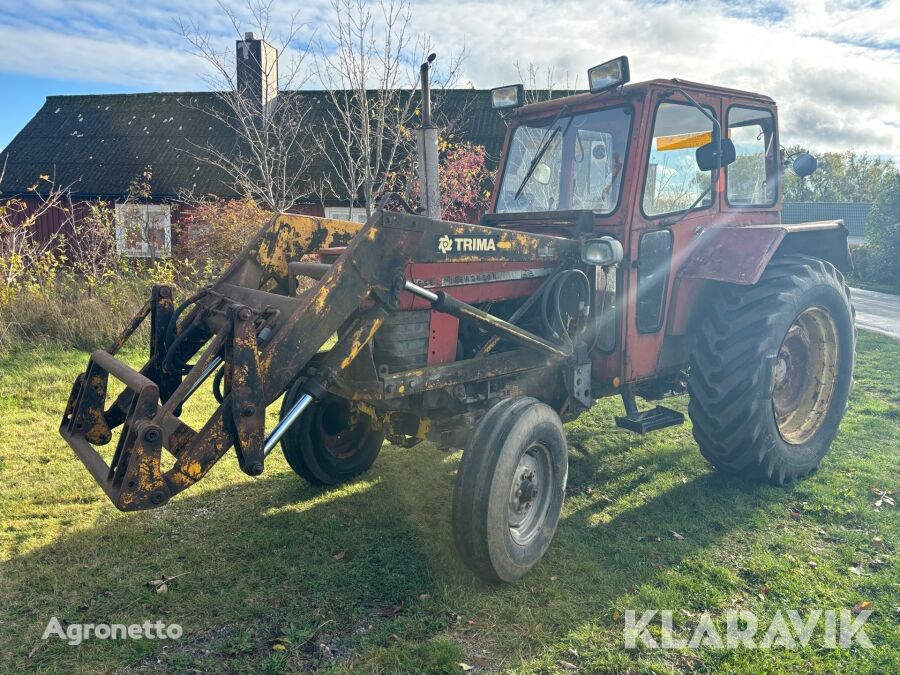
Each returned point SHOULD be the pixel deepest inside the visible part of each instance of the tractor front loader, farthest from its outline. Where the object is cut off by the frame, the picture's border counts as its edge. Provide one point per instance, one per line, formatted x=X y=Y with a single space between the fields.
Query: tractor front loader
x=634 y=248
x=262 y=338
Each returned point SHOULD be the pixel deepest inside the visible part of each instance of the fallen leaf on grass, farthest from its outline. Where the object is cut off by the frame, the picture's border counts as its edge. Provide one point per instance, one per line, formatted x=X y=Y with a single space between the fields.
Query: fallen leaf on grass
x=465 y=667
x=676 y=536
x=878 y=542
x=884 y=497
x=337 y=556
x=861 y=606
x=162 y=584
x=567 y=665
x=34 y=649
x=278 y=647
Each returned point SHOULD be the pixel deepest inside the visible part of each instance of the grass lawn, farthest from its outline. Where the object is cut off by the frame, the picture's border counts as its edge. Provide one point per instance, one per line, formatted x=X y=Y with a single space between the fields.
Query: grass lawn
x=271 y=575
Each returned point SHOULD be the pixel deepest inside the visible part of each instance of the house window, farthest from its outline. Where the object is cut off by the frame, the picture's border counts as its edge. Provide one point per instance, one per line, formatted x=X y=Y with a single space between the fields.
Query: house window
x=144 y=230
x=343 y=213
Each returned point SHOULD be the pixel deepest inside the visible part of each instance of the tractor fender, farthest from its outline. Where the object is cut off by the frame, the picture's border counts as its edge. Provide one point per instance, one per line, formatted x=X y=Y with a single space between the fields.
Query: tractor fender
x=739 y=254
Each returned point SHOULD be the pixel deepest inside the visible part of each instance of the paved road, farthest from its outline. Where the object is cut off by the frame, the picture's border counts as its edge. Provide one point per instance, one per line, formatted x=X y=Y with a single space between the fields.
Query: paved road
x=877 y=312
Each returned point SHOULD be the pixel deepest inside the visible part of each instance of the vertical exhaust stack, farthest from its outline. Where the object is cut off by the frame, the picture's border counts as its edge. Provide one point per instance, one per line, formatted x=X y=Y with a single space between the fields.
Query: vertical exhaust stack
x=427 y=145
x=257 y=72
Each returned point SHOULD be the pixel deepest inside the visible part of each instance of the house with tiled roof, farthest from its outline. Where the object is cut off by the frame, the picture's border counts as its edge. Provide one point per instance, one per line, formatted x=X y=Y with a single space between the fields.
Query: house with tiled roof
x=97 y=144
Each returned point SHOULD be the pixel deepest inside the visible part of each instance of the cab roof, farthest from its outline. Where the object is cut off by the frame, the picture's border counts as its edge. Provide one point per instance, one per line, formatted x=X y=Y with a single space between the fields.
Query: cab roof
x=638 y=88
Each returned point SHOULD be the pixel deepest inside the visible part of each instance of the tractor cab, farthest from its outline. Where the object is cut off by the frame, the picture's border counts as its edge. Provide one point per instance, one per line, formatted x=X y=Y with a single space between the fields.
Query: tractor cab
x=669 y=169
x=636 y=155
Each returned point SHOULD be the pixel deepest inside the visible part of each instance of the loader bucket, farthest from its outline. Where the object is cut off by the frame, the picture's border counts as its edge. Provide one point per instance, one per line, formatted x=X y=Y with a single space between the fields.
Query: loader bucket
x=225 y=321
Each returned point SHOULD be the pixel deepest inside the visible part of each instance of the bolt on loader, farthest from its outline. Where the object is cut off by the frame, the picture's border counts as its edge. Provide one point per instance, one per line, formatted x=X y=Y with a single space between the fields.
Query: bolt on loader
x=633 y=248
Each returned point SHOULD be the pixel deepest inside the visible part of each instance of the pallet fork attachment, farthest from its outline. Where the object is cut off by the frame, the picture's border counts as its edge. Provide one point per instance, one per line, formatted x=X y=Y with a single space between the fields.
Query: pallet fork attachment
x=263 y=337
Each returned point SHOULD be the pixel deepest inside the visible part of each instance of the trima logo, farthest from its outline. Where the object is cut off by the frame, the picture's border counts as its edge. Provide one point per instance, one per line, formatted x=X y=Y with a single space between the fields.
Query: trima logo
x=447 y=244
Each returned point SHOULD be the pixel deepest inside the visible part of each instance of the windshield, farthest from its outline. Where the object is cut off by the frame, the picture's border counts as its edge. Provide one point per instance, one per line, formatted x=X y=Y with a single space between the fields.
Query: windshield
x=593 y=144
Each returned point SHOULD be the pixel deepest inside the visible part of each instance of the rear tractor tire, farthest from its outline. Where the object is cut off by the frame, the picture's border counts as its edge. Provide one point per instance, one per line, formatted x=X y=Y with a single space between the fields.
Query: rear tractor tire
x=772 y=369
x=510 y=489
x=331 y=443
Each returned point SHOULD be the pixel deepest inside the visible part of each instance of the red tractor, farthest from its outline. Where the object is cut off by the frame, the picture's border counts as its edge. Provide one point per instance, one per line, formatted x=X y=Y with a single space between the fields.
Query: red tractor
x=634 y=248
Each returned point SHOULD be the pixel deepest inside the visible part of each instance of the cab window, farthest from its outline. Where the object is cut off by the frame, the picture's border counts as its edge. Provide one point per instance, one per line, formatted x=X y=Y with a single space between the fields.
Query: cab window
x=570 y=162
x=750 y=179
x=674 y=183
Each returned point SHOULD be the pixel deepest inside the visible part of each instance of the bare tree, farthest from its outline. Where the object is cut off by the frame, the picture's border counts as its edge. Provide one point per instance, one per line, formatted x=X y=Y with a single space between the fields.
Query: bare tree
x=542 y=84
x=368 y=64
x=271 y=153
x=143 y=228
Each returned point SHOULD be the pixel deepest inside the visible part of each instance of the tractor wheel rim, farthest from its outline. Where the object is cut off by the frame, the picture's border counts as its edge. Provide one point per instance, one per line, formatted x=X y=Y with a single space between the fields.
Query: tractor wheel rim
x=340 y=430
x=805 y=373
x=530 y=493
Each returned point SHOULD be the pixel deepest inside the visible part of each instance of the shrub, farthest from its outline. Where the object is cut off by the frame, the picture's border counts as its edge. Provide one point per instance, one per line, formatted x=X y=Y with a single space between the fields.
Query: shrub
x=25 y=259
x=878 y=261
x=217 y=231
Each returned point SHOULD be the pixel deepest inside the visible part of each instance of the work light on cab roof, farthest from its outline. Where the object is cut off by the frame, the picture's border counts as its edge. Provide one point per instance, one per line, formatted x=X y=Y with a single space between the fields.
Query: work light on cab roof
x=609 y=75
x=601 y=78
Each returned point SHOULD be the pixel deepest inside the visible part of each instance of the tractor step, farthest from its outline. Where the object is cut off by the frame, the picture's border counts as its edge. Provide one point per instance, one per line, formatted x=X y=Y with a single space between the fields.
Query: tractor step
x=644 y=421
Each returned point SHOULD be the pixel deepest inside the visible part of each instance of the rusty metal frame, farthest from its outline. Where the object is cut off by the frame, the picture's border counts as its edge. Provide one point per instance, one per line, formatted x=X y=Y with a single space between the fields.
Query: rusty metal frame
x=251 y=301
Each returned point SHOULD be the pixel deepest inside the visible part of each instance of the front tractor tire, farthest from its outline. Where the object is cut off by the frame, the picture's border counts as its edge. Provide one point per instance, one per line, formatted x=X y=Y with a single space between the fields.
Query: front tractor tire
x=331 y=443
x=772 y=369
x=510 y=488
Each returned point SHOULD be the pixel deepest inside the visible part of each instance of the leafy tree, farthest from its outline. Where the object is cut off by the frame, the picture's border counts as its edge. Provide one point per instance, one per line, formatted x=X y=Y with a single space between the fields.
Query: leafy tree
x=847 y=176
x=465 y=180
x=881 y=259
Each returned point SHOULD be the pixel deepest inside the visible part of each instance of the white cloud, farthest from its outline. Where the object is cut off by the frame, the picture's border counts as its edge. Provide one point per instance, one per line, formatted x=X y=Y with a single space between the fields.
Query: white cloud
x=833 y=67
x=834 y=71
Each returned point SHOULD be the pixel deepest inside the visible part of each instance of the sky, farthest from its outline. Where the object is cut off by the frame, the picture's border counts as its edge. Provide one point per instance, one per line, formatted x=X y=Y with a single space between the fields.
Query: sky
x=832 y=67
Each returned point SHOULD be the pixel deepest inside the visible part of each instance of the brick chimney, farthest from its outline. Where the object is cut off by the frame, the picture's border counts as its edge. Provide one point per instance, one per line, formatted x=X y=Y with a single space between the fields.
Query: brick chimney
x=257 y=71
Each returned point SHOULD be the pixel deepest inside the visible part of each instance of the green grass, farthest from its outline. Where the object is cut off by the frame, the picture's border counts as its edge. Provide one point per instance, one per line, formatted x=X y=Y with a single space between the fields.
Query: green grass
x=275 y=576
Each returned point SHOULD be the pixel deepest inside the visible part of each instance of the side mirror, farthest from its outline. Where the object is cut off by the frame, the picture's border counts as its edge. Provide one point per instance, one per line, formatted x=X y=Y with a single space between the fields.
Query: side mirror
x=708 y=157
x=804 y=164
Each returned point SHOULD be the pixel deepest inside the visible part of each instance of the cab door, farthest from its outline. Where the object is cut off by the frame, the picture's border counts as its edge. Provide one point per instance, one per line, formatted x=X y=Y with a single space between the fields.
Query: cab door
x=674 y=202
